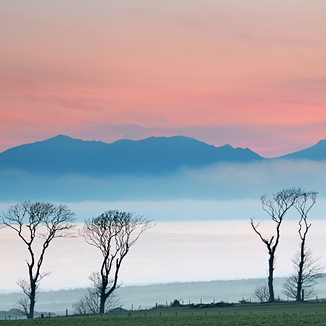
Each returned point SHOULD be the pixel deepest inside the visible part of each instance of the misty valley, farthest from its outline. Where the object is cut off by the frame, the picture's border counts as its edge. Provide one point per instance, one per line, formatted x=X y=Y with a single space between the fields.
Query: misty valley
x=207 y=214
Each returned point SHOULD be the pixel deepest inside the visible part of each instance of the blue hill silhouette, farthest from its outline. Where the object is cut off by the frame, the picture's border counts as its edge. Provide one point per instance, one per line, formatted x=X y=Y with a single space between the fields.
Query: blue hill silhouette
x=154 y=155
x=156 y=168
x=313 y=153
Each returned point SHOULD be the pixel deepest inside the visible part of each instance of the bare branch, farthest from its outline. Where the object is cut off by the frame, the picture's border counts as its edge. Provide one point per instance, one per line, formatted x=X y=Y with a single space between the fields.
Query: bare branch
x=90 y=303
x=276 y=207
x=23 y=306
x=31 y=220
x=304 y=277
x=300 y=284
x=261 y=293
x=113 y=233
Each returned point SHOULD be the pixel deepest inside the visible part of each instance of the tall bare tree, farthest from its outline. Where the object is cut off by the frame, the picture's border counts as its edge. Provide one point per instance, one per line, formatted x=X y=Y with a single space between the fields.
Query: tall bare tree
x=307 y=270
x=113 y=233
x=37 y=220
x=303 y=205
x=276 y=207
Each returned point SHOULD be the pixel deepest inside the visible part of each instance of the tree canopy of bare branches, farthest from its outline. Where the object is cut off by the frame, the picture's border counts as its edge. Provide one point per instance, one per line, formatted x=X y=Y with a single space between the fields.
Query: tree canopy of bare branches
x=305 y=276
x=276 y=207
x=307 y=271
x=37 y=220
x=113 y=233
x=90 y=303
x=261 y=293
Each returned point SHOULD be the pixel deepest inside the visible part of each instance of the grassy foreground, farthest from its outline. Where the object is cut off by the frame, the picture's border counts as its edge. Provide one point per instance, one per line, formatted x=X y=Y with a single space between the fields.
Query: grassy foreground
x=286 y=314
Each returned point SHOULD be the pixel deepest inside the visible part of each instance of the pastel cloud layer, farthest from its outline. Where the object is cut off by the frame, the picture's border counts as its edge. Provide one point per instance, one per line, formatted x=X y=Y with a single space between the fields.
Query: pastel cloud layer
x=252 y=74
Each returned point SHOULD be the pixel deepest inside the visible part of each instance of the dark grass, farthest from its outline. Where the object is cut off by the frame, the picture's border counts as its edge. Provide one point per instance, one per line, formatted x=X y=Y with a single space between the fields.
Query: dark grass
x=286 y=314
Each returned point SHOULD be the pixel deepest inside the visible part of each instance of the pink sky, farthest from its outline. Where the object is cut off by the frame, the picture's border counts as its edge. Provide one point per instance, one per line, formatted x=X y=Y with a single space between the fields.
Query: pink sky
x=248 y=73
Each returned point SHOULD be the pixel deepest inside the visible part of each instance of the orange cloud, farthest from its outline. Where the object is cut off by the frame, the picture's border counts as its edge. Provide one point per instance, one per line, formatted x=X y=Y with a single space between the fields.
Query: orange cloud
x=162 y=66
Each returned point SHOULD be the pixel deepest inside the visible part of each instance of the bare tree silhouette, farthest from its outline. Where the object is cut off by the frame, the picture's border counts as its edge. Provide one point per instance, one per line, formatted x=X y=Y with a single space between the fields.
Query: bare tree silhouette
x=310 y=272
x=307 y=271
x=276 y=207
x=37 y=220
x=90 y=303
x=261 y=293
x=113 y=233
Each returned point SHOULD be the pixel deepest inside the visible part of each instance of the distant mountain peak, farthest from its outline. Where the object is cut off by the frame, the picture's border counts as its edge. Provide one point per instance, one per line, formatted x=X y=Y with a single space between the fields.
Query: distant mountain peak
x=322 y=142
x=60 y=138
x=314 y=153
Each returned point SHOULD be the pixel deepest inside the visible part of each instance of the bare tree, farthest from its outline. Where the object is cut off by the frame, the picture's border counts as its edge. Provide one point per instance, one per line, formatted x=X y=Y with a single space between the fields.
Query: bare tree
x=37 y=220
x=261 y=293
x=276 y=207
x=300 y=285
x=303 y=205
x=113 y=233
x=23 y=306
x=309 y=272
x=90 y=303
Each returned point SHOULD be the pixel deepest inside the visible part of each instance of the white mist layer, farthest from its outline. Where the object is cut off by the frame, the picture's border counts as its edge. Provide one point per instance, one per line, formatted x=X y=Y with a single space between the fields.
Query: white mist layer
x=170 y=252
x=214 y=183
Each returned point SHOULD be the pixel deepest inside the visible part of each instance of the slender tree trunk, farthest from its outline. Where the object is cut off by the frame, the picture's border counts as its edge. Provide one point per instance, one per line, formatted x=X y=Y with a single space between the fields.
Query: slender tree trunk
x=271 y=276
x=32 y=299
x=300 y=272
x=102 y=303
x=104 y=296
x=103 y=293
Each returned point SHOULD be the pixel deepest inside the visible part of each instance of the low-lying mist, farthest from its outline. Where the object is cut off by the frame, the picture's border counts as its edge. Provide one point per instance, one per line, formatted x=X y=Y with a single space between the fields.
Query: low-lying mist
x=218 y=182
x=202 y=216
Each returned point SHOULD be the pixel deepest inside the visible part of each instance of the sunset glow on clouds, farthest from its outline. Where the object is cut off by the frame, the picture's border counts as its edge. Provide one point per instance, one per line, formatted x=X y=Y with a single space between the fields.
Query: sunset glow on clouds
x=252 y=74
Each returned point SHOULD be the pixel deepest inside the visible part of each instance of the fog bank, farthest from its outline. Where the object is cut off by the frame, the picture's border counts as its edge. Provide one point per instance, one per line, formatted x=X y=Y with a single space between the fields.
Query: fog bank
x=218 y=182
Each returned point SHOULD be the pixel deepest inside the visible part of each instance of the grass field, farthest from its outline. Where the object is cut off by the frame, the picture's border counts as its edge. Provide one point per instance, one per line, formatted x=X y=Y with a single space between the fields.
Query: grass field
x=286 y=314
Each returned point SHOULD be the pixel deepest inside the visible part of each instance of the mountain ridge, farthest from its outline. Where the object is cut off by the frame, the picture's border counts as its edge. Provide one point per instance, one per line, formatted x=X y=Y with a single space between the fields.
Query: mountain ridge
x=153 y=155
x=72 y=170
